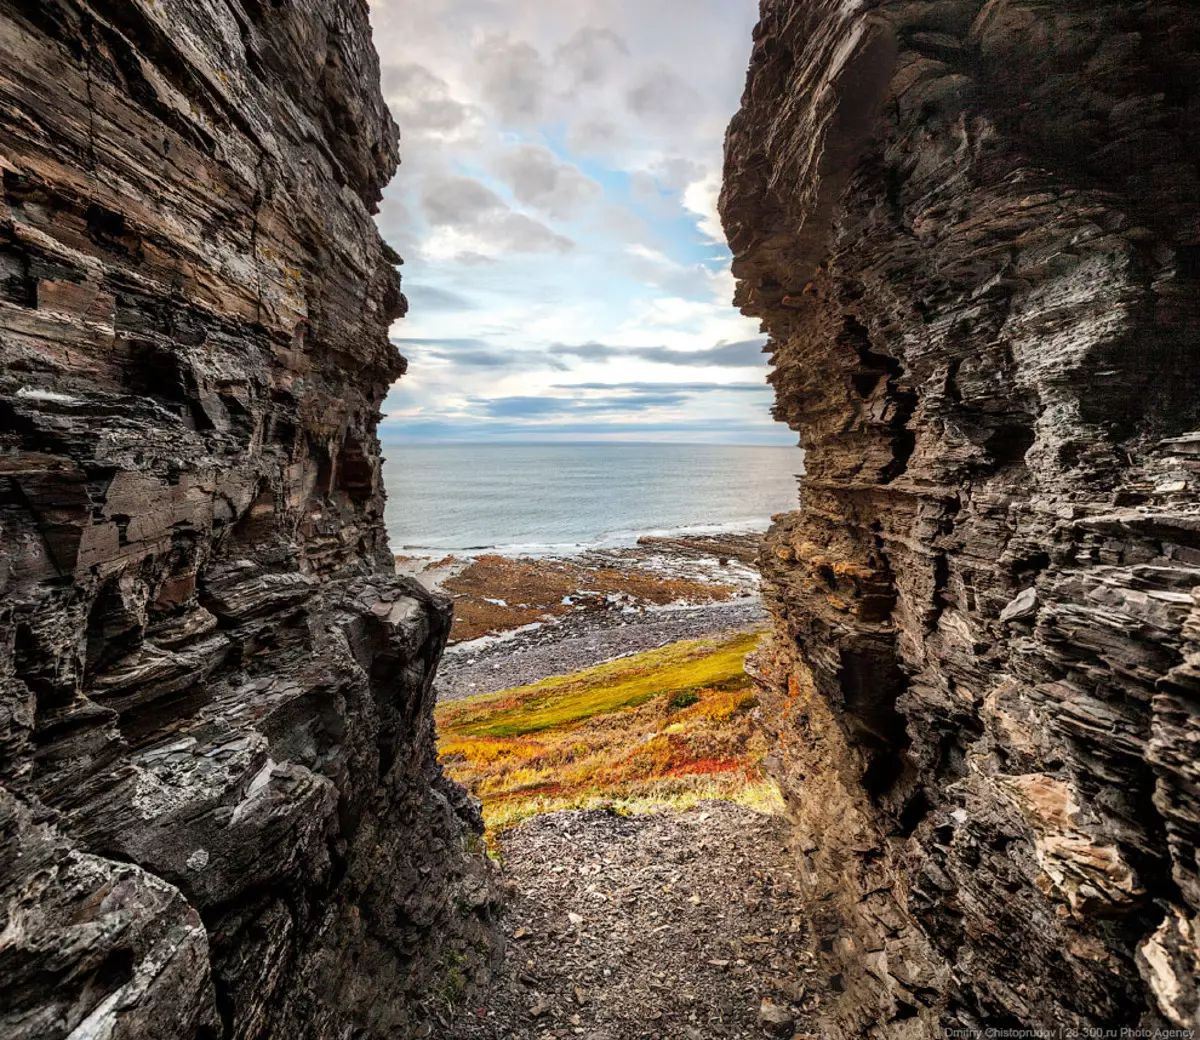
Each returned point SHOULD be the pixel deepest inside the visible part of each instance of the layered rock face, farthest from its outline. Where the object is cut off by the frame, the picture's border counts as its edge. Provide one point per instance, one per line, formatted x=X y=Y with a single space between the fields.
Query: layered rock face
x=972 y=231
x=220 y=812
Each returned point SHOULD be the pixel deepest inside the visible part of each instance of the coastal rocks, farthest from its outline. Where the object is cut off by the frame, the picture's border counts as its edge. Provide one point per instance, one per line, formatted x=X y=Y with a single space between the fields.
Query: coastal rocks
x=220 y=809
x=971 y=230
x=495 y=594
x=551 y=616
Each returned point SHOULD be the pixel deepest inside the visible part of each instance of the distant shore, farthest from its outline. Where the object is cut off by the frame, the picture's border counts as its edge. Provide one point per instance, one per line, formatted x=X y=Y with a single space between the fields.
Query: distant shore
x=522 y=619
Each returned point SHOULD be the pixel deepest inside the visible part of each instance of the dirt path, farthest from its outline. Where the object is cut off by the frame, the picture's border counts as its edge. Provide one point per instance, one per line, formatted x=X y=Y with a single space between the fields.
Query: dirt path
x=672 y=926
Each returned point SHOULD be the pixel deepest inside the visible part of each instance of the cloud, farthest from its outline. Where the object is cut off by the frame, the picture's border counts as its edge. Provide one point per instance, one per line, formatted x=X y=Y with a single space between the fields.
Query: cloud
x=482 y=358
x=522 y=234
x=675 y=172
x=397 y=224
x=683 y=280
x=681 y=388
x=742 y=354
x=513 y=78
x=434 y=341
x=660 y=186
x=538 y=407
x=474 y=353
x=421 y=101
x=539 y=179
x=588 y=56
x=594 y=136
x=436 y=430
x=431 y=298
x=557 y=189
x=701 y=197
x=459 y=201
x=662 y=97
x=478 y=221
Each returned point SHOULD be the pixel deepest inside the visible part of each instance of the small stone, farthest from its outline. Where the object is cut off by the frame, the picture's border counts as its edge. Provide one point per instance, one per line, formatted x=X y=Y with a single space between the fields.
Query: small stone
x=1022 y=607
x=775 y=1018
x=1171 y=487
x=794 y=990
x=198 y=860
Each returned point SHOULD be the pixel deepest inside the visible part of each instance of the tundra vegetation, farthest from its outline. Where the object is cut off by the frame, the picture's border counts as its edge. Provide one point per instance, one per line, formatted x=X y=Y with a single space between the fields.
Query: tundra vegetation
x=668 y=727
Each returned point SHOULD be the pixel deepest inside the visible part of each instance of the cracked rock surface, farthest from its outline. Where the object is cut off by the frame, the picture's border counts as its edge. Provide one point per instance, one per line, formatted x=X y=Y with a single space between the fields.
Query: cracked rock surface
x=220 y=811
x=972 y=232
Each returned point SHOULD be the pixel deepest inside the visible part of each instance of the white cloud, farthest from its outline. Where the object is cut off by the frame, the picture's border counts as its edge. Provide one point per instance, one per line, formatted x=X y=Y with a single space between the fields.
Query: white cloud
x=597 y=136
x=469 y=218
x=422 y=104
x=459 y=202
x=560 y=172
x=540 y=179
x=591 y=55
x=512 y=78
x=700 y=197
x=661 y=96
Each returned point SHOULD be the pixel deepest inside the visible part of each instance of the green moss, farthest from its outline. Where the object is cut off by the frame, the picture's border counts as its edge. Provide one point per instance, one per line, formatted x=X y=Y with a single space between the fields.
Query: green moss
x=678 y=669
x=453 y=982
x=663 y=728
x=747 y=703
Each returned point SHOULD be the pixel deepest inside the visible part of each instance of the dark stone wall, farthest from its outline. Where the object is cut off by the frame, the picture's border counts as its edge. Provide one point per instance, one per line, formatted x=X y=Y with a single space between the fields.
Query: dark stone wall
x=972 y=232
x=220 y=810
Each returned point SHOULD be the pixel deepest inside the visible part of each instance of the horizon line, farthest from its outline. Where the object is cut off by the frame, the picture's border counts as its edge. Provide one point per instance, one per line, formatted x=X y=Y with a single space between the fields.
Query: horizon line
x=438 y=443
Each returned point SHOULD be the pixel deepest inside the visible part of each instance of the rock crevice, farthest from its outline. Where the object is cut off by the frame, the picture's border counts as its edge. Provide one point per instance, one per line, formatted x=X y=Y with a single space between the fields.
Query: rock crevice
x=970 y=231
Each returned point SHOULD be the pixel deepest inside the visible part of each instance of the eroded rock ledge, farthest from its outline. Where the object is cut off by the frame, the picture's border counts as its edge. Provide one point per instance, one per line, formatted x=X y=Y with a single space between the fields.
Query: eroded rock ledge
x=973 y=232
x=220 y=813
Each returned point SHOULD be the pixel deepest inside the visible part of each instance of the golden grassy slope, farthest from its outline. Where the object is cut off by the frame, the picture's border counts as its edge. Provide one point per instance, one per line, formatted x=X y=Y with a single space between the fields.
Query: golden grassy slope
x=667 y=727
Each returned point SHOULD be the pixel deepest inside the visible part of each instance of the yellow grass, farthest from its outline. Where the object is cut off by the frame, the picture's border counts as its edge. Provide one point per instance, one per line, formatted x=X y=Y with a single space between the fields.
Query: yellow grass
x=665 y=728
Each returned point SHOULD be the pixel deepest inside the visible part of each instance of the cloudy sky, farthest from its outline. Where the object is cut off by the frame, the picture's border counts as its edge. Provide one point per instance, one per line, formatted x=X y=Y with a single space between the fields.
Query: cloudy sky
x=556 y=209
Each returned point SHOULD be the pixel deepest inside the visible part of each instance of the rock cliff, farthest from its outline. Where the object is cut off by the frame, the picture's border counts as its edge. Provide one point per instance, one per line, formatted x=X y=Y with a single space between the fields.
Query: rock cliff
x=972 y=231
x=220 y=812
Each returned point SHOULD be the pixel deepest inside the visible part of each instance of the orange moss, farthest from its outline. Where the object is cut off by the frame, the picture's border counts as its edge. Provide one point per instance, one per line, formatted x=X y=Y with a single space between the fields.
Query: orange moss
x=499 y=593
x=623 y=751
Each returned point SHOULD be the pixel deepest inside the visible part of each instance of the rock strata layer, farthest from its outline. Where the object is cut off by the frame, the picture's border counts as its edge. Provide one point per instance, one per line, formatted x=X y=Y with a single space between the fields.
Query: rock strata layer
x=220 y=811
x=972 y=231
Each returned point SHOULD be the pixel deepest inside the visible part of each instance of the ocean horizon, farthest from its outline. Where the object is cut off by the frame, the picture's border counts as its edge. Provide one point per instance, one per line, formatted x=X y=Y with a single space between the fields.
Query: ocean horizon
x=544 y=499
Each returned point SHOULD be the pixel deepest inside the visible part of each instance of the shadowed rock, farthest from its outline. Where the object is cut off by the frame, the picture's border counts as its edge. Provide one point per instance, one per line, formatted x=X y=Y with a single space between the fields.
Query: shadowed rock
x=220 y=811
x=971 y=230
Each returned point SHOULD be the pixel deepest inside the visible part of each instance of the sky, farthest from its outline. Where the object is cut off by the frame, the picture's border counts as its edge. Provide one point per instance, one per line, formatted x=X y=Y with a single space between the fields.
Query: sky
x=565 y=267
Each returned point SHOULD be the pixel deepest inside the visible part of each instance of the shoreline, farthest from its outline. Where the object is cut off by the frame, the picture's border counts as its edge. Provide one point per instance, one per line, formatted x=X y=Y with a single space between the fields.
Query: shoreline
x=613 y=541
x=521 y=619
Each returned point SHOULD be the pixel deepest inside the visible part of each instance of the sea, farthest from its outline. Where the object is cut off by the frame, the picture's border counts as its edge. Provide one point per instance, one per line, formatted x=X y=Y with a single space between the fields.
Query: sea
x=551 y=499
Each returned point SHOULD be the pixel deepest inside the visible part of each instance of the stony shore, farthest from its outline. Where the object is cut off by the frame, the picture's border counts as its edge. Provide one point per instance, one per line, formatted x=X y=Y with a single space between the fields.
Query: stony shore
x=521 y=619
x=522 y=657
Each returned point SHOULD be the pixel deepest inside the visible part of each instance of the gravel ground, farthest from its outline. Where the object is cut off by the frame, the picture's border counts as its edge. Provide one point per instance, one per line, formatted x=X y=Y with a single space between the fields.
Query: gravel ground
x=559 y=648
x=670 y=926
